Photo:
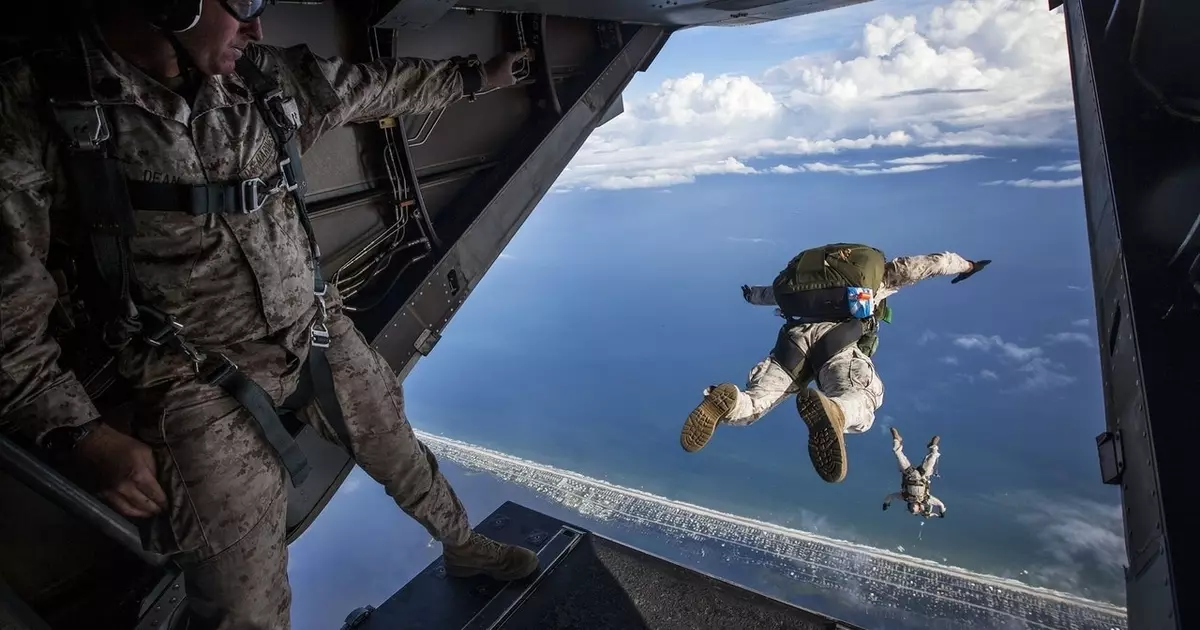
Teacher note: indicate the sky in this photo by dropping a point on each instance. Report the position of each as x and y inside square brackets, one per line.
[915, 126]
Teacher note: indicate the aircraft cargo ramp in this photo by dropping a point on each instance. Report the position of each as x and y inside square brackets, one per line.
[586, 582]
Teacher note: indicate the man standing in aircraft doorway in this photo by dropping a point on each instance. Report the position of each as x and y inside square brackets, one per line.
[151, 167]
[834, 298]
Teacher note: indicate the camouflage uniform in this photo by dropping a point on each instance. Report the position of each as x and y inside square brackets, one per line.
[848, 378]
[241, 284]
[848, 390]
[914, 480]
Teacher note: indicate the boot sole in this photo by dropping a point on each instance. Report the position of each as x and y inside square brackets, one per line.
[525, 569]
[702, 422]
[826, 445]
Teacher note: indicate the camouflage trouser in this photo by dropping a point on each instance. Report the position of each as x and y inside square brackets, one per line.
[227, 500]
[848, 378]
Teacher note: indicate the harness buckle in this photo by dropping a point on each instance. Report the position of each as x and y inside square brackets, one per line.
[84, 124]
[163, 327]
[285, 114]
[320, 335]
[252, 200]
[215, 369]
[287, 176]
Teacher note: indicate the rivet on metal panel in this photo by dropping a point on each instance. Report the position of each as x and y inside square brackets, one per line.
[175, 585]
[481, 590]
[174, 599]
[440, 572]
[499, 522]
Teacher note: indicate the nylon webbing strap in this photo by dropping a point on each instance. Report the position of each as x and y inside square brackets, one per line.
[98, 181]
[322, 377]
[805, 367]
[832, 342]
[318, 373]
[199, 199]
[262, 408]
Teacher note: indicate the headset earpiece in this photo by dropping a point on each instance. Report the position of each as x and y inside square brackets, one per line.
[175, 16]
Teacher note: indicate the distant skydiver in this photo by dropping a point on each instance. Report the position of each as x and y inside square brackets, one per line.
[833, 297]
[914, 480]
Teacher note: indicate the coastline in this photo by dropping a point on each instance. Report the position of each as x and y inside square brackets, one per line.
[451, 445]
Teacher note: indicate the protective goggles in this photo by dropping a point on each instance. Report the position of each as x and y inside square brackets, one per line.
[245, 10]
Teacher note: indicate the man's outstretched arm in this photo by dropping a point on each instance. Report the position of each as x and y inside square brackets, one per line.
[759, 295]
[891, 497]
[334, 91]
[936, 503]
[909, 270]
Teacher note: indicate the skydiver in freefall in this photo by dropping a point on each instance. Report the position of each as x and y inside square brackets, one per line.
[833, 298]
[914, 480]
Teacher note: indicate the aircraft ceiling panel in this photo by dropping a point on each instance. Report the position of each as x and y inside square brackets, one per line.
[666, 12]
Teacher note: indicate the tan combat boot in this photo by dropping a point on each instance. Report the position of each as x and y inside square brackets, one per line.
[700, 424]
[826, 425]
[896, 436]
[934, 442]
[483, 556]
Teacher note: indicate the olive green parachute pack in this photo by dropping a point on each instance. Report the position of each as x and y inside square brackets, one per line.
[816, 286]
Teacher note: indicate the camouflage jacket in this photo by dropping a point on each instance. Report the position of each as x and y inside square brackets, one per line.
[229, 278]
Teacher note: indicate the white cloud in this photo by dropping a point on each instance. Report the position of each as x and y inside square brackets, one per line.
[1042, 373]
[742, 239]
[926, 337]
[351, 485]
[1082, 322]
[949, 360]
[1080, 537]
[937, 158]
[1035, 370]
[1070, 337]
[967, 73]
[989, 375]
[995, 342]
[822, 167]
[1037, 183]
[1075, 287]
[1061, 167]
[505, 256]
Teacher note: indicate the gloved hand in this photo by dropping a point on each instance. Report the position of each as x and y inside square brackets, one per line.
[885, 507]
[498, 71]
[746, 292]
[942, 515]
[976, 267]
